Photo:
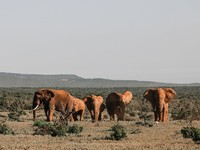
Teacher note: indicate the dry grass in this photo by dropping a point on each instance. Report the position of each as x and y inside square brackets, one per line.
[160, 136]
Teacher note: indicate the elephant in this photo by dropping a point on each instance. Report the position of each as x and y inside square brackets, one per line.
[159, 99]
[116, 103]
[95, 106]
[79, 109]
[52, 100]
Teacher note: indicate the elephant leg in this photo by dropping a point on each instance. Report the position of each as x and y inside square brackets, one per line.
[160, 116]
[120, 113]
[50, 114]
[120, 116]
[96, 116]
[166, 113]
[99, 118]
[112, 117]
[75, 117]
[92, 115]
[46, 111]
[71, 118]
[47, 114]
[82, 115]
[162, 112]
[165, 117]
[155, 116]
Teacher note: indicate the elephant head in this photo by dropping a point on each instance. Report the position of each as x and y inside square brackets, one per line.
[95, 106]
[149, 95]
[41, 97]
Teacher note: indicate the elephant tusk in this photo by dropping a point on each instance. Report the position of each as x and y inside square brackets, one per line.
[36, 107]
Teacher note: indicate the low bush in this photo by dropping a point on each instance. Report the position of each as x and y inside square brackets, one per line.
[55, 129]
[46, 128]
[4, 129]
[191, 132]
[186, 110]
[74, 129]
[43, 128]
[118, 132]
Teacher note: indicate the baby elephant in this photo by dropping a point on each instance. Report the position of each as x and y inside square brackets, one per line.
[95, 106]
[79, 109]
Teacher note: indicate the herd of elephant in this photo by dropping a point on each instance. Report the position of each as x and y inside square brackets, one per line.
[62, 101]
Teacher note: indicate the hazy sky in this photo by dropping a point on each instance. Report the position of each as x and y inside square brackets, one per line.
[149, 40]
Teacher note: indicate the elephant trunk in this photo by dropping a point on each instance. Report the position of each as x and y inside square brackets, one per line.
[161, 111]
[34, 114]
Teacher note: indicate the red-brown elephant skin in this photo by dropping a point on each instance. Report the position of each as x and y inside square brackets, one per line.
[79, 109]
[52, 100]
[116, 103]
[95, 106]
[159, 98]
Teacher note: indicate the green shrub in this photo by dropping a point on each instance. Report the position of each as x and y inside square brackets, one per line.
[59, 129]
[74, 129]
[40, 124]
[4, 129]
[118, 132]
[55, 129]
[188, 110]
[46, 128]
[191, 132]
[43, 128]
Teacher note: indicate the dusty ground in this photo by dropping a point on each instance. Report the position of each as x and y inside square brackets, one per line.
[160, 136]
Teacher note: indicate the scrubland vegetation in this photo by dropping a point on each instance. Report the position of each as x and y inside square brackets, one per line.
[19, 131]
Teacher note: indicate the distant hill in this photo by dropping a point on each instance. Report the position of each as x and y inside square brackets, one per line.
[32, 80]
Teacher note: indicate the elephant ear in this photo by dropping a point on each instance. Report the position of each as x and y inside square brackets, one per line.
[170, 94]
[149, 95]
[100, 99]
[87, 100]
[127, 97]
[36, 95]
[48, 94]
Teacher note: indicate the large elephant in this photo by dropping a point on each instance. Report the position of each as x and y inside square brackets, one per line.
[159, 98]
[95, 106]
[79, 109]
[116, 102]
[52, 100]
